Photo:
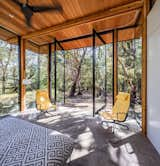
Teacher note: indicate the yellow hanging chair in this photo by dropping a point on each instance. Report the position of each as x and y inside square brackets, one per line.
[43, 102]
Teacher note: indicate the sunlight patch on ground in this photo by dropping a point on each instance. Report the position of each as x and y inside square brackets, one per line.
[123, 155]
[85, 141]
[50, 119]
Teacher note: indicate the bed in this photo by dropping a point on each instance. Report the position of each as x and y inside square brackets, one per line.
[25, 144]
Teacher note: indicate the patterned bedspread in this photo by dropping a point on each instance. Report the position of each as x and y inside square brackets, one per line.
[25, 144]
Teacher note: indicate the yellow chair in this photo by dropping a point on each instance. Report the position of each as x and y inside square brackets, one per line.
[120, 110]
[43, 102]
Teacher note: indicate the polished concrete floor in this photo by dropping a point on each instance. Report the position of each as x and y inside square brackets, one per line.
[96, 145]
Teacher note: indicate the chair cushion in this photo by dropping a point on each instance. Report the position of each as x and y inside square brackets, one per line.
[42, 100]
[122, 96]
[106, 115]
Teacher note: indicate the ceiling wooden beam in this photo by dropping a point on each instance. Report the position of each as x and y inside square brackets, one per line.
[12, 40]
[87, 19]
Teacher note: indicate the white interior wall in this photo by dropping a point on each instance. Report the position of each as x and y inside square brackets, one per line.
[153, 76]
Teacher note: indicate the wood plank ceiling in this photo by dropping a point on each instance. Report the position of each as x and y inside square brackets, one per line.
[74, 12]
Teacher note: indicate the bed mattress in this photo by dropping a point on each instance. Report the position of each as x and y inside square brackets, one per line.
[25, 144]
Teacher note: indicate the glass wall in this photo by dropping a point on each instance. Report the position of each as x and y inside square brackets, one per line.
[36, 74]
[78, 78]
[78, 74]
[85, 83]
[32, 71]
[100, 74]
[43, 71]
[58, 72]
[9, 78]
[100, 71]
[129, 73]
[60, 76]
[68, 71]
[109, 80]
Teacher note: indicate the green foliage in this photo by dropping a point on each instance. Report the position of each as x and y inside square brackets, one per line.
[129, 69]
[9, 78]
[129, 65]
[9, 68]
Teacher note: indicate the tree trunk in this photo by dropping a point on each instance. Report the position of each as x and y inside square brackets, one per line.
[73, 89]
[3, 84]
[74, 85]
[79, 88]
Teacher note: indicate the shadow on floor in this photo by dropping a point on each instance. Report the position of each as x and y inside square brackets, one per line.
[97, 146]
